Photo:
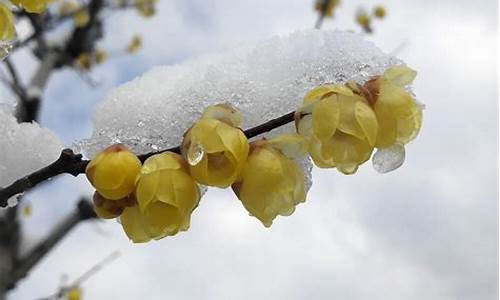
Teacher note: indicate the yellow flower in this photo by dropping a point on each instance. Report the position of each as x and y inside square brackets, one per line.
[340, 126]
[146, 8]
[27, 210]
[32, 6]
[215, 148]
[166, 194]
[110, 209]
[84, 61]
[81, 18]
[399, 115]
[135, 44]
[379, 11]
[271, 183]
[68, 7]
[7, 29]
[363, 19]
[327, 7]
[100, 56]
[113, 172]
[74, 293]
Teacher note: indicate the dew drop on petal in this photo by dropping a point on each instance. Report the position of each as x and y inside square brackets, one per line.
[195, 153]
[389, 159]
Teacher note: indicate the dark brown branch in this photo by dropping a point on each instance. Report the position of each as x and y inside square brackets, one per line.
[84, 211]
[71, 163]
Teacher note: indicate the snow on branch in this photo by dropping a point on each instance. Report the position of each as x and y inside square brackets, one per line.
[151, 113]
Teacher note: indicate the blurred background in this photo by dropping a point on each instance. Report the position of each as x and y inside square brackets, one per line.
[428, 230]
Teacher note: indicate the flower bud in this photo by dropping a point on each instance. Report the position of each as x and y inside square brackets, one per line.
[215, 150]
[166, 194]
[379, 11]
[271, 183]
[113, 172]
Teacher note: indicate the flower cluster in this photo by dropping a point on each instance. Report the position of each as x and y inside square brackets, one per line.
[344, 123]
[339, 126]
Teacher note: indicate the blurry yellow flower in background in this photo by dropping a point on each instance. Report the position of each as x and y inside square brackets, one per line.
[74, 293]
[146, 8]
[84, 61]
[215, 149]
[32, 6]
[340, 127]
[326, 7]
[271, 182]
[135, 44]
[166, 194]
[81, 18]
[364, 20]
[100, 56]
[113, 172]
[379, 11]
[7, 29]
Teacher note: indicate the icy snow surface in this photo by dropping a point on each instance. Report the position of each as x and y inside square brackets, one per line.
[263, 82]
[24, 147]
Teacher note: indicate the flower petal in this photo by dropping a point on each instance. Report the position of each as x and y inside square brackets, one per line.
[367, 120]
[326, 117]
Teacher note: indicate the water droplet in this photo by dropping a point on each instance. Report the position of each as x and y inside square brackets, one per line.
[195, 153]
[389, 159]
[5, 48]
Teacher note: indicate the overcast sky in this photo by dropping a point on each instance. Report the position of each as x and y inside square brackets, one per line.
[426, 231]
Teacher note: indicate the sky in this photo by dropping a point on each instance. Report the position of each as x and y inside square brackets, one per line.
[428, 230]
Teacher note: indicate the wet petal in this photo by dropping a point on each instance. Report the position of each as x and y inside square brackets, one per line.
[326, 117]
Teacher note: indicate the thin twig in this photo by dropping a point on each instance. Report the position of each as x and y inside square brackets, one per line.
[83, 211]
[71, 163]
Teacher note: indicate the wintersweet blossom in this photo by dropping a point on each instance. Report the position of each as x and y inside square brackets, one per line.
[340, 127]
[271, 182]
[215, 147]
[32, 6]
[399, 115]
[113, 172]
[166, 194]
[7, 29]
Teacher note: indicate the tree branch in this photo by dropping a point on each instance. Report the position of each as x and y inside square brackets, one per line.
[84, 211]
[71, 163]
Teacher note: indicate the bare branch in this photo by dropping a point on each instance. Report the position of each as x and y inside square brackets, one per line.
[84, 211]
[71, 163]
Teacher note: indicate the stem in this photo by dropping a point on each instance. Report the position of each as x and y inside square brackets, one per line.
[84, 211]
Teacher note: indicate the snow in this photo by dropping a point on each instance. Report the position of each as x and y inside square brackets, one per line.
[24, 147]
[263, 82]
